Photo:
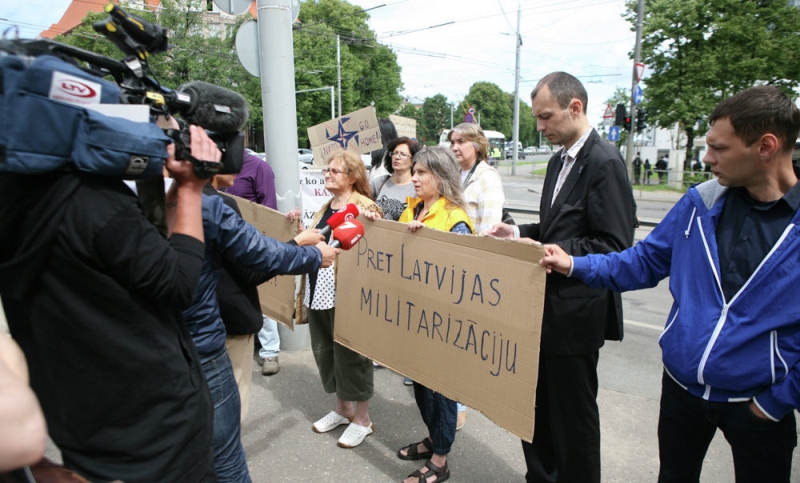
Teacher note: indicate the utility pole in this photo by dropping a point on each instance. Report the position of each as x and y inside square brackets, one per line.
[339, 72]
[637, 57]
[276, 53]
[515, 122]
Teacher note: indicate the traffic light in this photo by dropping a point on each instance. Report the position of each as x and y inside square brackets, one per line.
[641, 120]
[619, 115]
[627, 123]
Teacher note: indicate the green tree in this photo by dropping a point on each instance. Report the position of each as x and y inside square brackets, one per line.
[701, 51]
[496, 112]
[370, 73]
[433, 118]
[528, 135]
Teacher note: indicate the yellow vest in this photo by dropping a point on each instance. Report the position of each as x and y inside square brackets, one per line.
[439, 216]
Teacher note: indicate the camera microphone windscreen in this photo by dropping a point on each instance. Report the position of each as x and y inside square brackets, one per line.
[212, 107]
[347, 235]
[349, 212]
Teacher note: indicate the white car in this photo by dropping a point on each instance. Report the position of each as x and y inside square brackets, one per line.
[530, 150]
[305, 156]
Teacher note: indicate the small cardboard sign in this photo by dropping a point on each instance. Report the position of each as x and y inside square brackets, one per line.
[313, 194]
[357, 131]
[459, 314]
[277, 294]
[405, 126]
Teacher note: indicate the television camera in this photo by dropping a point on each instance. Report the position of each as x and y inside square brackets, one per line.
[43, 83]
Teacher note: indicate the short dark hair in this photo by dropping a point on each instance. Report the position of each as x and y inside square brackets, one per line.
[760, 110]
[413, 146]
[563, 87]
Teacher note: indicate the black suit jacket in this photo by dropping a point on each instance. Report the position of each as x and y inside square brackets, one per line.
[593, 213]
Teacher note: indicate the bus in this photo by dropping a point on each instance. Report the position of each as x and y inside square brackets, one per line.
[496, 140]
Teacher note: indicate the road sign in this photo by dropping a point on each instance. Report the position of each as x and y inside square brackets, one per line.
[247, 47]
[613, 133]
[233, 7]
[609, 114]
[637, 95]
[639, 71]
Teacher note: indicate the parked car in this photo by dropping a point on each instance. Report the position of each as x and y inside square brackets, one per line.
[510, 150]
[305, 156]
[544, 150]
[530, 151]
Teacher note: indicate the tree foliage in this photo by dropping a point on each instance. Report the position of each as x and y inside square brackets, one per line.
[370, 73]
[699, 52]
[496, 112]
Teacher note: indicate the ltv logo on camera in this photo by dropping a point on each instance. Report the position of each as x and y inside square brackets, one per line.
[74, 90]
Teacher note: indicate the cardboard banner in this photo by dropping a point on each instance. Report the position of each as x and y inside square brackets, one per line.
[459, 314]
[277, 294]
[405, 126]
[357, 131]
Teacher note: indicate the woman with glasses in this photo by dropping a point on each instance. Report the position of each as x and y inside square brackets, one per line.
[438, 204]
[391, 190]
[344, 372]
[483, 188]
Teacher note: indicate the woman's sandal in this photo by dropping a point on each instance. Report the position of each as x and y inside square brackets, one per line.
[440, 472]
[411, 451]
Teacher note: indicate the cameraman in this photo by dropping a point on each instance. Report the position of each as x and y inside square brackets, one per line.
[93, 295]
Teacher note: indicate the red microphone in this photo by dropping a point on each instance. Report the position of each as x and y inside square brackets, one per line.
[346, 235]
[349, 212]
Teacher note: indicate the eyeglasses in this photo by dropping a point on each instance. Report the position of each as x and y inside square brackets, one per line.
[333, 171]
[398, 154]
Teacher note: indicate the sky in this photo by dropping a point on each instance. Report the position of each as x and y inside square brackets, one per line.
[587, 38]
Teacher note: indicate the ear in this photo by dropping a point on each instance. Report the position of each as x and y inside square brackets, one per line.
[575, 107]
[768, 146]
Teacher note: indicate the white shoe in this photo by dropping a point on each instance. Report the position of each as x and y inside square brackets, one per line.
[330, 421]
[354, 435]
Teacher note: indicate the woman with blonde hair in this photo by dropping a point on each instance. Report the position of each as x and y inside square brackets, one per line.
[483, 188]
[438, 204]
[343, 372]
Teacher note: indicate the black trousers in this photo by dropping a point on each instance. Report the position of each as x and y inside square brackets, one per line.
[762, 450]
[566, 434]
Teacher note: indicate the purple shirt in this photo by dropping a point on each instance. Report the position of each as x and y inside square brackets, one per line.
[256, 182]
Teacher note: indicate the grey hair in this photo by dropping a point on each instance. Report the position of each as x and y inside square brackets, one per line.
[441, 162]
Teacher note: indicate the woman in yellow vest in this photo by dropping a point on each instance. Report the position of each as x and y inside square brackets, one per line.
[440, 205]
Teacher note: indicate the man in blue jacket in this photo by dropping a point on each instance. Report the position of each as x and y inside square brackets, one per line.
[731, 345]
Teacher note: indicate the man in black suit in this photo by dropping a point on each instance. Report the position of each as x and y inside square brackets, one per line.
[586, 207]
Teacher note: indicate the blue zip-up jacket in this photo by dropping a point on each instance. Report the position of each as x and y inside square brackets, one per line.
[229, 237]
[746, 348]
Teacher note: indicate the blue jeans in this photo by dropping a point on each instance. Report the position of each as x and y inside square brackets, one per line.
[439, 415]
[762, 449]
[269, 338]
[229, 459]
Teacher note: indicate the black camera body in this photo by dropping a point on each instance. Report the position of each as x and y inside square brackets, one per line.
[230, 144]
[42, 79]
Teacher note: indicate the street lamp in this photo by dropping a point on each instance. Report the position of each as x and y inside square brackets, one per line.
[333, 111]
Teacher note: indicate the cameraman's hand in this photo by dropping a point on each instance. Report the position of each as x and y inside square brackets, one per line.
[202, 147]
[184, 201]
